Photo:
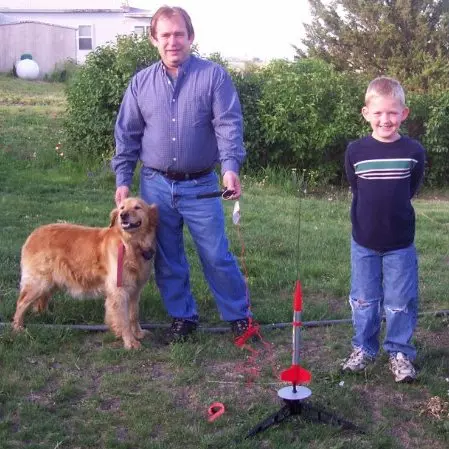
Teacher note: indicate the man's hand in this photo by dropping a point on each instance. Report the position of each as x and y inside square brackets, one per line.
[231, 181]
[121, 193]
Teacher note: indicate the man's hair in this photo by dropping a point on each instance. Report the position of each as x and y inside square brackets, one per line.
[385, 87]
[167, 12]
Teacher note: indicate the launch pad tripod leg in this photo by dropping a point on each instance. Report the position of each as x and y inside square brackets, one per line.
[272, 420]
[308, 412]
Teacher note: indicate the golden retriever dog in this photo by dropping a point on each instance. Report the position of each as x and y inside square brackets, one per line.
[113, 262]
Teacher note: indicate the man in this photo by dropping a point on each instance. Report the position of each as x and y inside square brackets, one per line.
[181, 116]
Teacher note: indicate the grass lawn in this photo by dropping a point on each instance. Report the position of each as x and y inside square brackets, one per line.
[63, 388]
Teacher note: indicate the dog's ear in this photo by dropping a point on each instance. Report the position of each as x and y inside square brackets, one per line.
[153, 216]
[113, 217]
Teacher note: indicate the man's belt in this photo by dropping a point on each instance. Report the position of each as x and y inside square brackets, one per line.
[180, 176]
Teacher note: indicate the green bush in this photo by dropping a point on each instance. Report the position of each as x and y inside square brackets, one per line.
[62, 72]
[427, 122]
[307, 114]
[249, 86]
[95, 94]
[436, 139]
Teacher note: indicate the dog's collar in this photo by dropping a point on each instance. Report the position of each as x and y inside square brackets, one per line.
[147, 254]
[121, 254]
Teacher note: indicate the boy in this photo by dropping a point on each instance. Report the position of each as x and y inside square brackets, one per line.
[384, 170]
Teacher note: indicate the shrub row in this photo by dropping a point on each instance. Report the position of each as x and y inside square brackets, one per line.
[297, 114]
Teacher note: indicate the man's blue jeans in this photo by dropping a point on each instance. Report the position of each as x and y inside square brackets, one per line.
[384, 281]
[204, 219]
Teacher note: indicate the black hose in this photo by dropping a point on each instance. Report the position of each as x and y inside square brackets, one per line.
[272, 326]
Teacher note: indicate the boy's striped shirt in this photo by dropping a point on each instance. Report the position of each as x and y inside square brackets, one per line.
[383, 178]
[397, 168]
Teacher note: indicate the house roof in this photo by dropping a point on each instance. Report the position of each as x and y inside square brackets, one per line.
[4, 19]
[137, 12]
[35, 21]
[127, 11]
[50, 10]
[66, 4]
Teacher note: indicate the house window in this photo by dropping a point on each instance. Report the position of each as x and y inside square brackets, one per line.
[141, 30]
[85, 37]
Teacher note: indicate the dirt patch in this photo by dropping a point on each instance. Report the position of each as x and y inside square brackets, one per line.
[110, 405]
[45, 396]
[437, 339]
[188, 398]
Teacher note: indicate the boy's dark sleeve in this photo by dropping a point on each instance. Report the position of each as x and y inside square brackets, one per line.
[417, 174]
[349, 169]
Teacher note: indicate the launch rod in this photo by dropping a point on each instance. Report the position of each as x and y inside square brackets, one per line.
[296, 328]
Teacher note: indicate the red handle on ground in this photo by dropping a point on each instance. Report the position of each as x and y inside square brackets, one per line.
[215, 410]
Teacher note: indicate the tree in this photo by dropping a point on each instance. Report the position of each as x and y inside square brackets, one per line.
[407, 39]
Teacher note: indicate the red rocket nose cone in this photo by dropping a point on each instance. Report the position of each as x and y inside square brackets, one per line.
[297, 300]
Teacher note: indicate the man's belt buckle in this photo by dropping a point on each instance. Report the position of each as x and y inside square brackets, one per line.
[177, 176]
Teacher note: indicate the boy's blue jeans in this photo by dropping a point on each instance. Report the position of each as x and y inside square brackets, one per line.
[384, 281]
[204, 218]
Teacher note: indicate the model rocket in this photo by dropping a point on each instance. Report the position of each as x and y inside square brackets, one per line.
[296, 374]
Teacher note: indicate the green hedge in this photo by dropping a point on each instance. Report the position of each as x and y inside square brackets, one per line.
[297, 114]
[306, 112]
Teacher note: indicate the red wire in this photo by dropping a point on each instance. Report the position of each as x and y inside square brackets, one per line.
[251, 369]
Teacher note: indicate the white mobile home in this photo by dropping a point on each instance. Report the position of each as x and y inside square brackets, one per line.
[95, 22]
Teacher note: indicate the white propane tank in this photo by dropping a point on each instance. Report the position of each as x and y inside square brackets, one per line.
[27, 69]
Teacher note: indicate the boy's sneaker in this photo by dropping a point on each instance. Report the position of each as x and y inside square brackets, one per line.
[181, 329]
[402, 368]
[357, 361]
